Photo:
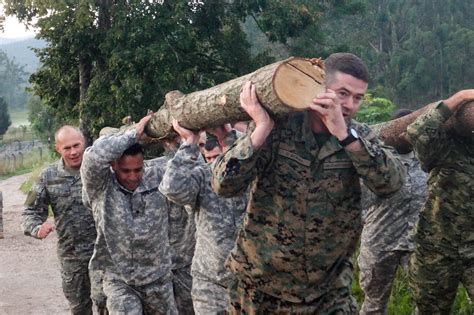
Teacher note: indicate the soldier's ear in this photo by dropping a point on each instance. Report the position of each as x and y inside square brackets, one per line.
[114, 165]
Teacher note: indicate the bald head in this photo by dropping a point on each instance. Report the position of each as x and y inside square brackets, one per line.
[70, 144]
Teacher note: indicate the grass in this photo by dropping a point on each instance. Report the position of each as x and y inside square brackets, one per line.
[401, 302]
[19, 117]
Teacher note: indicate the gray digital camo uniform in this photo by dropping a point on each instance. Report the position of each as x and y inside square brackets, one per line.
[132, 246]
[386, 241]
[303, 219]
[444, 253]
[60, 188]
[182, 229]
[187, 182]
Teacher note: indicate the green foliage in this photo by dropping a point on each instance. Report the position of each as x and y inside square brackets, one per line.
[13, 80]
[5, 121]
[374, 110]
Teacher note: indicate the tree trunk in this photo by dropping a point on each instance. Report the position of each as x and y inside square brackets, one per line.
[282, 87]
[85, 69]
[393, 132]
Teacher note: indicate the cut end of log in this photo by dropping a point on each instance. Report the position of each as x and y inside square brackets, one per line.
[297, 81]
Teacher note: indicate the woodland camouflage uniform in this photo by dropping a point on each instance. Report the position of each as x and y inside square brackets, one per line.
[303, 220]
[386, 241]
[60, 187]
[132, 246]
[187, 181]
[444, 253]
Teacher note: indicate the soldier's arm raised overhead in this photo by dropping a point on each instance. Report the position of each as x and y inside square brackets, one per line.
[235, 169]
[97, 158]
[183, 178]
[426, 135]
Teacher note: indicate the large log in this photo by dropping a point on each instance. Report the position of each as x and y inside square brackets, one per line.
[282, 87]
[393, 132]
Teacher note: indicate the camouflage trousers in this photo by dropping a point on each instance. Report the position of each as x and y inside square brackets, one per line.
[209, 298]
[245, 300]
[76, 285]
[438, 265]
[377, 272]
[97, 292]
[155, 298]
[182, 283]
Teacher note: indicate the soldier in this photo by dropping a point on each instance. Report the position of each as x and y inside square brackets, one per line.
[132, 247]
[293, 254]
[182, 229]
[444, 236]
[386, 241]
[59, 186]
[187, 182]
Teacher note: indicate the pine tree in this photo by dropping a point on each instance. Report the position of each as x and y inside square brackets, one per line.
[5, 121]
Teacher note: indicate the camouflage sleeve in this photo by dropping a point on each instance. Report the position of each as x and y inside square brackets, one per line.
[97, 158]
[184, 176]
[425, 131]
[35, 212]
[378, 165]
[234, 170]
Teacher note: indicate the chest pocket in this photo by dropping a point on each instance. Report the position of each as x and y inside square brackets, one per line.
[291, 170]
[339, 177]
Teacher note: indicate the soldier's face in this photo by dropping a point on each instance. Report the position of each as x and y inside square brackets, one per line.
[349, 90]
[70, 145]
[129, 170]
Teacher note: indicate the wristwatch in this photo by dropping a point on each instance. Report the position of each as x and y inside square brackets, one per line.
[352, 136]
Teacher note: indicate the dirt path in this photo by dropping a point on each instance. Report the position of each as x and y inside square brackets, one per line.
[30, 281]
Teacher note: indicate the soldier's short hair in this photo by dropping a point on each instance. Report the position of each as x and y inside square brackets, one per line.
[346, 63]
[401, 112]
[133, 150]
[66, 127]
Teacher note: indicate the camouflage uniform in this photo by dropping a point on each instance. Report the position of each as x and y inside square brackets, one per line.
[303, 219]
[182, 240]
[132, 246]
[187, 181]
[60, 188]
[444, 237]
[386, 239]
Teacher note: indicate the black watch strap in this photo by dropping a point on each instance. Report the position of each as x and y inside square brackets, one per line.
[349, 139]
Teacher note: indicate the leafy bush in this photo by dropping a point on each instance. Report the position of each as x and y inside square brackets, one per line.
[375, 110]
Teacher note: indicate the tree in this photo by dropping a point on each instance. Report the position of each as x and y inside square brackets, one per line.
[5, 121]
[107, 59]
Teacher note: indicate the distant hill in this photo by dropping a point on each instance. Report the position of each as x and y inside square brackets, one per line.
[20, 51]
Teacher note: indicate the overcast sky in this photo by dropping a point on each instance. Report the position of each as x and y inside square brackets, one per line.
[13, 29]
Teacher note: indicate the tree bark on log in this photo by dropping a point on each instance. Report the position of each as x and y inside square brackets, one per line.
[393, 132]
[282, 87]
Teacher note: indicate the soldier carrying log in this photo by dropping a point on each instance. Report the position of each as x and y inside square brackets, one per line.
[293, 254]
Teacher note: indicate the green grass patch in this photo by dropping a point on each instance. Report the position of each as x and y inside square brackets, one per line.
[19, 117]
[401, 301]
[37, 158]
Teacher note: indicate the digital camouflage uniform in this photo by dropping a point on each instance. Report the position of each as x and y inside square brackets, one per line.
[303, 220]
[386, 241]
[187, 182]
[132, 246]
[60, 187]
[444, 253]
[182, 229]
